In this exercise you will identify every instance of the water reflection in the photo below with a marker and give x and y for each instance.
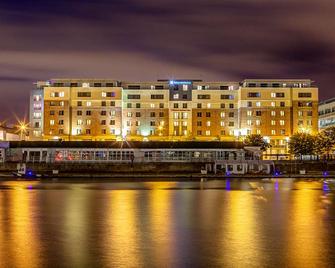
(279, 223)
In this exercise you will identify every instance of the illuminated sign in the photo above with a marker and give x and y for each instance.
(173, 82)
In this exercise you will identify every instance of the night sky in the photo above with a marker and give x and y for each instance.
(147, 40)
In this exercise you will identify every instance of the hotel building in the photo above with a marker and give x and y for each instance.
(327, 113)
(96, 109)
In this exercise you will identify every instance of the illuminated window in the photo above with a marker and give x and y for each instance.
(273, 122)
(222, 114)
(249, 122)
(52, 122)
(176, 123)
(258, 122)
(175, 115)
(184, 123)
(185, 87)
(208, 132)
(88, 104)
(273, 113)
(258, 131)
(258, 104)
(249, 113)
(300, 113)
(208, 123)
(79, 122)
(152, 105)
(222, 124)
(88, 122)
(208, 105)
(61, 94)
(282, 122)
(103, 94)
(273, 104)
(273, 132)
(129, 114)
(176, 96)
(282, 113)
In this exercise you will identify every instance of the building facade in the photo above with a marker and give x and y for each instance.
(94, 109)
(327, 113)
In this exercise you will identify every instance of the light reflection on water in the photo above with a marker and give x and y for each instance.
(275, 223)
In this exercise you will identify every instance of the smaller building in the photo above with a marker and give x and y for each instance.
(8, 134)
(327, 113)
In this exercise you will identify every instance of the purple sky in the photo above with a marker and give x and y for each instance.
(147, 40)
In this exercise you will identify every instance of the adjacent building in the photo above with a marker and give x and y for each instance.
(327, 113)
(187, 109)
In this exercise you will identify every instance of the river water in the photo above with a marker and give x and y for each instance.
(282, 223)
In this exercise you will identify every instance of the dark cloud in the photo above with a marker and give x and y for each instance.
(150, 39)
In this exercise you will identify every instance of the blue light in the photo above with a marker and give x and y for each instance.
(325, 173)
(228, 185)
(227, 173)
(173, 82)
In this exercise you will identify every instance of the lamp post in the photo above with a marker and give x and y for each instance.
(23, 127)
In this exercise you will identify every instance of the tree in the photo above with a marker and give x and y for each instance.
(302, 144)
(257, 141)
(325, 141)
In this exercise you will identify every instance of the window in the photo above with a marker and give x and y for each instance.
(249, 104)
(300, 122)
(88, 122)
(112, 122)
(88, 104)
(103, 113)
(112, 113)
(129, 114)
(175, 96)
(208, 132)
(103, 94)
(304, 95)
(208, 114)
(273, 132)
(204, 96)
(84, 94)
(199, 105)
(273, 122)
(227, 97)
(199, 114)
(157, 97)
(134, 96)
(254, 94)
(282, 104)
(152, 123)
(277, 95)
(222, 106)
(61, 131)
(103, 122)
(137, 123)
(231, 114)
(300, 113)
(258, 122)
(222, 114)
(222, 124)
(231, 124)
(61, 112)
(273, 113)
(249, 113)
(103, 131)
(161, 105)
(258, 113)
(281, 122)
(258, 131)
(52, 112)
(258, 104)
(110, 94)
(249, 122)
(129, 105)
(185, 87)
(52, 122)
(273, 104)
(88, 131)
(88, 113)
(208, 123)
(138, 114)
(152, 114)
(175, 105)
(208, 105)
(79, 122)
(138, 105)
(161, 114)
(152, 105)
(231, 105)
(103, 103)
(184, 105)
(79, 103)
(309, 113)
(199, 123)
(199, 132)
(282, 113)
(112, 103)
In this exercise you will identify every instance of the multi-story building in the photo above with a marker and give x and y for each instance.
(327, 113)
(94, 109)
